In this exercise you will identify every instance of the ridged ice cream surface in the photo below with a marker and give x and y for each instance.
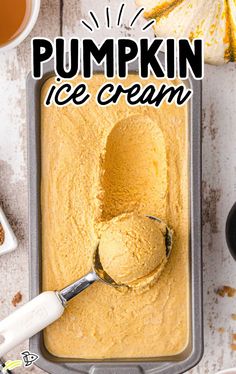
(132, 247)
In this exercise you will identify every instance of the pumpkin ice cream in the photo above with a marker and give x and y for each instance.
(132, 249)
(99, 163)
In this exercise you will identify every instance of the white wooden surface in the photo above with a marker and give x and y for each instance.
(219, 172)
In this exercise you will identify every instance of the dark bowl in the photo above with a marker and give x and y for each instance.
(230, 231)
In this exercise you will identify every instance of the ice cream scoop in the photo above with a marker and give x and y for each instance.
(47, 307)
(132, 249)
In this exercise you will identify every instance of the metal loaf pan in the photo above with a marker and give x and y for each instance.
(164, 365)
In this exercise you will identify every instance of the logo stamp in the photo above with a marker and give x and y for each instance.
(28, 359)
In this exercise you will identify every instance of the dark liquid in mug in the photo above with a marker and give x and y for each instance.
(14, 15)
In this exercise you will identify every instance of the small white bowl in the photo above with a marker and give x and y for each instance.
(35, 7)
(10, 241)
(228, 371)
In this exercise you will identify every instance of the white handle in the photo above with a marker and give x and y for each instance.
(28, 320)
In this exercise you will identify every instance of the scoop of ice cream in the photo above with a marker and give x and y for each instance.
(132, 249)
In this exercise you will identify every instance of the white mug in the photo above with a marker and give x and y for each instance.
(34, 12)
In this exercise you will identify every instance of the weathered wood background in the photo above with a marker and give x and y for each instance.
(219, 171)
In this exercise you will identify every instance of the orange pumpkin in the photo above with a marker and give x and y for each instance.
(212, 20)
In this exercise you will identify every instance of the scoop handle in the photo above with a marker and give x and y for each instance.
(75, 288)
(29, 319)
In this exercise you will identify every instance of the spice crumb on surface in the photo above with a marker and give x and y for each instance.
(221, 330)
(16, 299)
(233, 316)
(233, 345)
(226, 291)
(2, 235)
